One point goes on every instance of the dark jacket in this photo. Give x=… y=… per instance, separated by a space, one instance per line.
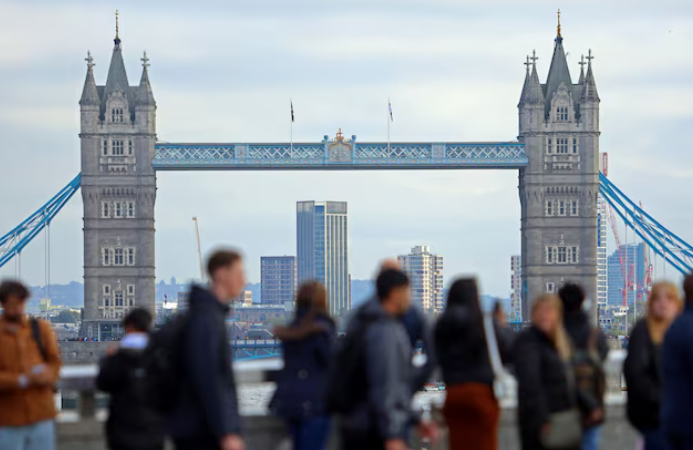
x=418 y=330
x=542 y=384
x=130 y=425
x=677 y=368
x=462 y=351
x=207 y=406
x=580 y=331
x=643 y=372
x=301 y=384
x=384 y=409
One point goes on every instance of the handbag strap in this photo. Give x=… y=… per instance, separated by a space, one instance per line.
x=492 y=346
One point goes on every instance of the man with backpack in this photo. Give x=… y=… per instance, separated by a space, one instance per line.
x=205 y=415
x=589 y=352
x=372 y=391
x=131 y=424
x=29 y=369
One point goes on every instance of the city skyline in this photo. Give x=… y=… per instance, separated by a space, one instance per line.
x=477 y=243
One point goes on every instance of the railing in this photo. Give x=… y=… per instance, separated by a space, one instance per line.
x=81 y=379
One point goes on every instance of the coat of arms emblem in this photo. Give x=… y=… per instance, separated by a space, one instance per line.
x=340 y=150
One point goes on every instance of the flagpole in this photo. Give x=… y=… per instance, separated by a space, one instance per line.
x=292 y=129
x=389 y=115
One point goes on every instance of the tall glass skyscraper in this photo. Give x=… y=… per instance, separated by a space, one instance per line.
x=322 y=249
x=278 y=278
x=633 y=257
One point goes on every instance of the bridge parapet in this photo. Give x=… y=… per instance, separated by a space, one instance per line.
x=82 y=429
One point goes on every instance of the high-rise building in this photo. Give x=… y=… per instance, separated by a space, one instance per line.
x=515 y=313
x=425 y=271
x=322 y=249
x=278 y=279
x=602 y=260
x=633 y=258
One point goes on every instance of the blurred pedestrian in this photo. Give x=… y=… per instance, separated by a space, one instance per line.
x=29 y=369
x=131 y=424
x=206 y=412
x=589 y=352
x=547 y=406
x=643 y=365
x=375 y=401
x=471 y=409
x=306 y=347
x=677 y=368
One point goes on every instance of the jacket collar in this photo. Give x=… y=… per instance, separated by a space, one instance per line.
x=201 y=297
x=6 y=326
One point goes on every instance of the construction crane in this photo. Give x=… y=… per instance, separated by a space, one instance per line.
x=199 y=249
x=646 y=283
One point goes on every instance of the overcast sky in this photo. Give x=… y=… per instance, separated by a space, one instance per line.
x=225 y=71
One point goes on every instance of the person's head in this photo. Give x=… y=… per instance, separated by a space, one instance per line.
x=225 y=269
x=498 y=313
x=688 y=288
x=312 y=296
x=13 y=297
x=392 y=287
x=139 y=320
x=572 y=295
x=547 y=316
x=464 y=293
x=664 y=302
x=390 y=263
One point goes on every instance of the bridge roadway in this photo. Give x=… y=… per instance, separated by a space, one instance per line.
x=82 y=429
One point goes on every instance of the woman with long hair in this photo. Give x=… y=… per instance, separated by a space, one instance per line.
x=642 y=367
x=306 y=346
x=471 y=410
x=542 y=355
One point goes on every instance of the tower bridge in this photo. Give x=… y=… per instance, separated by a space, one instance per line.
x=556 y=155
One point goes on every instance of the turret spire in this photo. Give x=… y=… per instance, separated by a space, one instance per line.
x=589 y=86
x=117 y=37
x=531 y=92
x=144 y=94
x=90 y=95
x=582 y=69
x=558 y=71
x=558 y=35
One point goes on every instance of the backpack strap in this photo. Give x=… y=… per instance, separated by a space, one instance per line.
x=36 y=335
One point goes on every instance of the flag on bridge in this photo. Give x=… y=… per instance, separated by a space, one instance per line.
x=389 y=107
x=292 y=111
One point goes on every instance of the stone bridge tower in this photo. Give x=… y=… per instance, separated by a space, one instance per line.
x=559 y=125
x=118 y=133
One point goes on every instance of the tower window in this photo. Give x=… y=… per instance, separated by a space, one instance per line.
x=105 y=147
x=118 y=257
x=562 y=113
x=131 y=256
x=117 y=115
x=549 y=207
x=119 y=298
x=562 y=145
x=130 y=147
x=575 y=145
x=118 y=209
x=549 y=145
x=561 y=208
x=550 y=256
x=131 y=289
x=573 y=207
x=106 y=302
x=105 y=210
x=118 y=149
x=131 y=209
x=562 y=255
x=574 y=254
x=550 y=288
x=106 y=256
x=106 y=289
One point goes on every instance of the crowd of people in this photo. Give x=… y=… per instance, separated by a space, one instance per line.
x=178 y=382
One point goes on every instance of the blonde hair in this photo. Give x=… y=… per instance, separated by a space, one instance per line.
x=658 y=328
x=560 y=339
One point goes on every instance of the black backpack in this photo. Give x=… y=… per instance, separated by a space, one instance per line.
x=162 y=365
x=346 y=382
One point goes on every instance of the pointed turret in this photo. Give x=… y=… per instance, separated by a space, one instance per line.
x=532 y=93
x=582 y=69
x=117 y=80
x=90 y=95
x=558 y=71
x=144 y=92
x=589 y=87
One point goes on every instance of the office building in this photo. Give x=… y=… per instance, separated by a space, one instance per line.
x=602 y=257
x=245 y=298
x=633 y=258
x=278 y=279
x=322 y=249
x=515 y=312
x=425 y=271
